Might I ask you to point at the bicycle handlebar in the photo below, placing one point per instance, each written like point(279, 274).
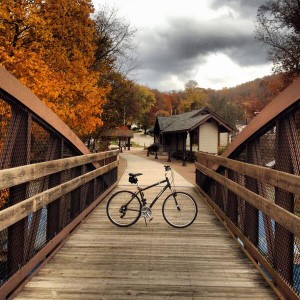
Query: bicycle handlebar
point(167, 168)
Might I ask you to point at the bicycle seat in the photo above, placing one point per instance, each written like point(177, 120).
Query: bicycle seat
point(135, 174)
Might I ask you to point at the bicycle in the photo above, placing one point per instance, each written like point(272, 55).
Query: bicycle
point(124, 208)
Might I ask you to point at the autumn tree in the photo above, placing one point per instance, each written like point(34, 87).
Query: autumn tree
point(278, 27)
point(145, 101)
point(195, 96)
point(163, 104)
point(71, 19)
point(49, 46)
point(121, 107)
point(23, 35)
point(228, 110)
point(176, 99)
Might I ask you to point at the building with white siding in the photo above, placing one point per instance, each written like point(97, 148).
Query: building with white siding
point(198, 130)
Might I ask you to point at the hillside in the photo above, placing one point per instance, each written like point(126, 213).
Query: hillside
point(233, 104)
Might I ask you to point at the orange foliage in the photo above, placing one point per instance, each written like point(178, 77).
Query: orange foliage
point(4, 195)
point(5, 115)
point(49, 46)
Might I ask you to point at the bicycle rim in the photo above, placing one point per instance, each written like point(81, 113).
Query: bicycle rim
point(182, 215)
point(123, 208)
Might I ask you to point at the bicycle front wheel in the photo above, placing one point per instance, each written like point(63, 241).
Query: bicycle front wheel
point(123, 208)
point(179, 210)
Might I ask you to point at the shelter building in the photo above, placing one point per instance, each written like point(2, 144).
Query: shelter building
point(197, 130)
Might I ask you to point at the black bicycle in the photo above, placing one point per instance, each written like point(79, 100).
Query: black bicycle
point(124, 208)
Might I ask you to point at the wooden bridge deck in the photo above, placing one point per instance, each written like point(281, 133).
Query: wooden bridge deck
point(102, 261)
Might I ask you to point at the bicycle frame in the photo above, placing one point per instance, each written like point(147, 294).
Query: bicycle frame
point(116, 209)
point(140, 191)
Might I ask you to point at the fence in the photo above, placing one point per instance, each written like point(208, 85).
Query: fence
point(47, 185)
point(255, 190)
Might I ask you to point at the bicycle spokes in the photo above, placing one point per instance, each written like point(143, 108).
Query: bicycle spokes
point(123, 208)
point(179, 210)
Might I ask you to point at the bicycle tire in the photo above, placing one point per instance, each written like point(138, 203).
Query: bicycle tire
point(184, 214)
point(117, 208)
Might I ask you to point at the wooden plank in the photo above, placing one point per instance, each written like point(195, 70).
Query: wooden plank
point(285, 218)
point(102, 261)
point(47, 252)
point(286, 181)
point(14, 176)
point(249, 247)
point(17, 212)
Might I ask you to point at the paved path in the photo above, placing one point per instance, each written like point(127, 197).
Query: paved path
point(188, 171)
point(154, 262)
point(142, 139)
point(152, 171)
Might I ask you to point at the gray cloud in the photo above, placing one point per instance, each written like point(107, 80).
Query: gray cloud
point(179, 47)
point(185, 42)
point(246, 8)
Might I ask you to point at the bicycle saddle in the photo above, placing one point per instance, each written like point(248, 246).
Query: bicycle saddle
point(134, 174)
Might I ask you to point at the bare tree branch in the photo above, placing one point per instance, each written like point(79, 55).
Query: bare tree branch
point(278, 26)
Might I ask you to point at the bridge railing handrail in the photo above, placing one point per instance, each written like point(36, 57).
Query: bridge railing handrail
point(285, 218)
point(215, 169)
point(16, 212)
point(84, 180)
point(18, 175)
point(286, 181)
point(41, 203)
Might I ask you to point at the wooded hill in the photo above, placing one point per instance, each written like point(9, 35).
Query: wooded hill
point(233, 104)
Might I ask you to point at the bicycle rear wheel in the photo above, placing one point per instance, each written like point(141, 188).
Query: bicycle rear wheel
point(123, 208)
point(179, 210)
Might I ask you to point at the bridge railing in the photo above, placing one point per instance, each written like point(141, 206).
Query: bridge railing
point(58, 195)
point(49, 182)
point(255, 191)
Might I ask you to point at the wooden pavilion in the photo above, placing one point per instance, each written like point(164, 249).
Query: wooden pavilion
point(123, 135)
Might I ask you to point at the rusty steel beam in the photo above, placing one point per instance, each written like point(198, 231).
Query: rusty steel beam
point(283, 101)
point(16, 89)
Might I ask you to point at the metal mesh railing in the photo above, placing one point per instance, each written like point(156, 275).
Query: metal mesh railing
point(277, 147)
point(25, 139)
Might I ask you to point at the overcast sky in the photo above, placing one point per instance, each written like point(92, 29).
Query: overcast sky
point(210, 41)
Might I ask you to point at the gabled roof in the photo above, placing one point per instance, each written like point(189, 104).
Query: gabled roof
point(165, 122)
point(189, 121)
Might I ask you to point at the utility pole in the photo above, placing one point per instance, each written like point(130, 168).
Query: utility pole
point(124, 116)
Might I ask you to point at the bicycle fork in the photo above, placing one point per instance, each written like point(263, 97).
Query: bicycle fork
point(176, 203)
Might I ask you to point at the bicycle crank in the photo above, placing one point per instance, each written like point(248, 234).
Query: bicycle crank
point(146, 213)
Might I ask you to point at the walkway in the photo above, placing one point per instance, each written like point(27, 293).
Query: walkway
point(102, 261)
point(142, 139)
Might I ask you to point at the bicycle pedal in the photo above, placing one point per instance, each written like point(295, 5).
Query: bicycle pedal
point(150, 219)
